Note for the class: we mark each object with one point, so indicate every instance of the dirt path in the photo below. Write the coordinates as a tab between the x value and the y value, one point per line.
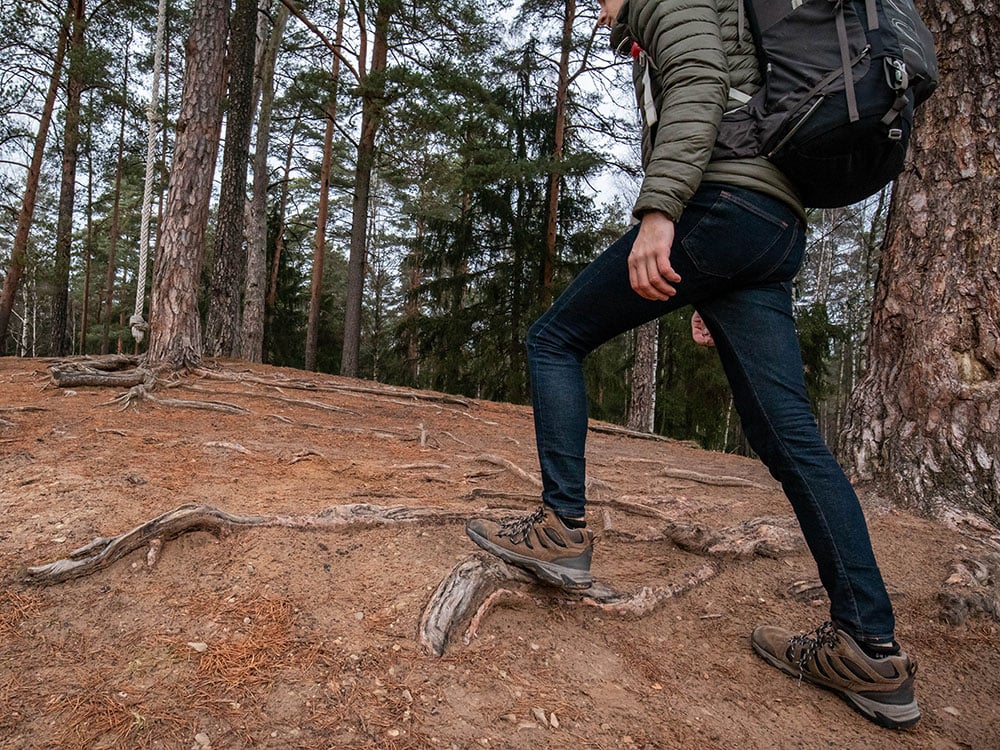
306	638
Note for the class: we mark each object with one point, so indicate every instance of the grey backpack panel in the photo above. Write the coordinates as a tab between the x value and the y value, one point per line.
841	80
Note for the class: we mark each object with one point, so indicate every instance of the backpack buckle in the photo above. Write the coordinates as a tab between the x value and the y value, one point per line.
896	75
895	134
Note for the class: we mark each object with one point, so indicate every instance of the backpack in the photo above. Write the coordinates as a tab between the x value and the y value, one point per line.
841	79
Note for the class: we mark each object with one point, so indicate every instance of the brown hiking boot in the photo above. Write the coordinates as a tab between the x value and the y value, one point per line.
540	543
879	689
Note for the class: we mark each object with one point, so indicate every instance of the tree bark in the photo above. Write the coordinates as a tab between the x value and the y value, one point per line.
109	281
88	241
271	300
319	241
19	250
555	176
175	331
67	188
925	424
642	400
229	263
252	331
372	86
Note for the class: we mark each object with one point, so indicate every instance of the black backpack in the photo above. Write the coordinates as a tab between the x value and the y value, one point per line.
840	80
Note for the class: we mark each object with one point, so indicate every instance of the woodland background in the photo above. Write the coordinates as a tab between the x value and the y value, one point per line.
402	187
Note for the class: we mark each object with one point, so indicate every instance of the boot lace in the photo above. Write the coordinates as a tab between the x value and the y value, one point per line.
812	642
517	529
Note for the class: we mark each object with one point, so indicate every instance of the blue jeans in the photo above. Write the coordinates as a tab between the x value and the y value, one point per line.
736	251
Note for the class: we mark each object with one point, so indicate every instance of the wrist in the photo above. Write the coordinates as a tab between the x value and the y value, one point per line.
655	216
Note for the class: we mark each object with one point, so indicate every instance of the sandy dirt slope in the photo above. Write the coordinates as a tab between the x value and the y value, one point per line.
281	637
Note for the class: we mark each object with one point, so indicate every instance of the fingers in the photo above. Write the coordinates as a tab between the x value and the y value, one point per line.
652	276
699	331
650	272
649	282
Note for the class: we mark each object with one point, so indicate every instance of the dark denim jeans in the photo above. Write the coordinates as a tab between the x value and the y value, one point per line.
736	251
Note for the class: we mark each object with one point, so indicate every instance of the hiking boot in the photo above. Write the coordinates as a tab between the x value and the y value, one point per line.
879	689
540	543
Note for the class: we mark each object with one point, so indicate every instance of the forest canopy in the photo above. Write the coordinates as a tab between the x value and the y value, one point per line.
501	157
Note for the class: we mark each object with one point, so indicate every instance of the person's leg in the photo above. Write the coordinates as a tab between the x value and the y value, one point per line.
727	237
553	542
597	306
754	331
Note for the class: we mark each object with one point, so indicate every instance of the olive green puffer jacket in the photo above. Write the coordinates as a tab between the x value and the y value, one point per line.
692	53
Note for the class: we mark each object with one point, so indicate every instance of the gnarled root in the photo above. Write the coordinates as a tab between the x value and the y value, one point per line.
103	551
972	589
476	583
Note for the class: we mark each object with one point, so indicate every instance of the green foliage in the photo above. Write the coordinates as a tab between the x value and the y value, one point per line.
693	397
816	337
456	239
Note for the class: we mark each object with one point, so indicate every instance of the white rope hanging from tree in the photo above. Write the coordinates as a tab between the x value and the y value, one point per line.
139	325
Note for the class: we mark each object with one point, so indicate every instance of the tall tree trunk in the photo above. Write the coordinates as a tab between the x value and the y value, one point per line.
319	241
67	189
642	400
88	242
252	331
109	281
372	90
271	300
175	330
555	176
925	424
413	268
19	250
229	264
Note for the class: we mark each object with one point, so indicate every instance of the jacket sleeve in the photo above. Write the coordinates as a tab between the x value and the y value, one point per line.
683	41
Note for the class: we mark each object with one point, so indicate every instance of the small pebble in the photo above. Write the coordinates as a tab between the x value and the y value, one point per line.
199	646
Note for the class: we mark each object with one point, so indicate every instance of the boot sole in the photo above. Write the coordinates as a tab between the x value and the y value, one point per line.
551	573
887	715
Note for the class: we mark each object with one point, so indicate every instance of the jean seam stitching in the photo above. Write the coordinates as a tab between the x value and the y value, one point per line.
841	570
780	226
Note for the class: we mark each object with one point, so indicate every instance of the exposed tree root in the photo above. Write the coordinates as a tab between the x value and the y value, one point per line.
715	481
309	385
129	372
972	589
610	429
103	551
275	397
511	467
767	537
144	392
529	500
99	373
464	596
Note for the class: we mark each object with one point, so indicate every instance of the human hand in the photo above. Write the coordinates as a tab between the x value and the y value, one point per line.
609	10
649	270
699	331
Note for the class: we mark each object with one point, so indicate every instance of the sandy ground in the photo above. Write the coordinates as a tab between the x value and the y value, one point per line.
299	637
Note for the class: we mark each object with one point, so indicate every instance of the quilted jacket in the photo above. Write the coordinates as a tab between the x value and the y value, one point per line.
689	54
